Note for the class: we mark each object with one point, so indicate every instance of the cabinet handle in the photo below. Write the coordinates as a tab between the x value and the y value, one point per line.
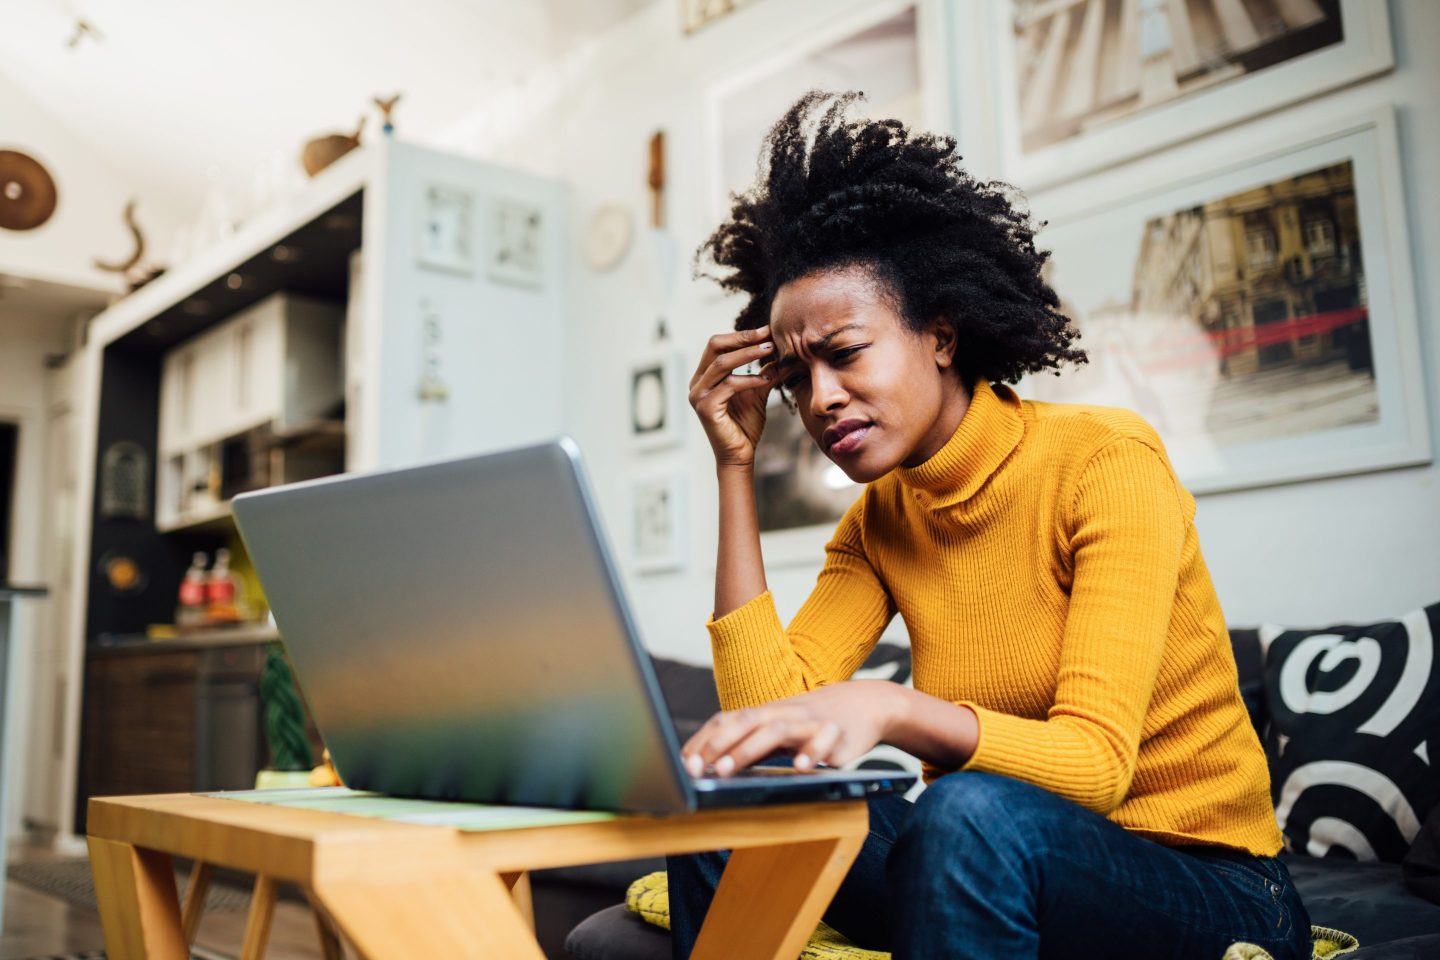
187	378
242	388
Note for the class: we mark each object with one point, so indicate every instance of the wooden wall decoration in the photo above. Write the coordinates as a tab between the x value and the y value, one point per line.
27	191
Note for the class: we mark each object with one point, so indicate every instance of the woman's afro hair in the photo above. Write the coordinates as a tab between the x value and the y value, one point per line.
834	192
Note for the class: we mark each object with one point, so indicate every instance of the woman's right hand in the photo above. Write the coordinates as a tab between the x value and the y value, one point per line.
731	406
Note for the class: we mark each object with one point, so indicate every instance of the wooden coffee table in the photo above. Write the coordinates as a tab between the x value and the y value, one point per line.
405	890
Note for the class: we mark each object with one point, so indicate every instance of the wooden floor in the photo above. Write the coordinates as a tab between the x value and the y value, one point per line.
39	925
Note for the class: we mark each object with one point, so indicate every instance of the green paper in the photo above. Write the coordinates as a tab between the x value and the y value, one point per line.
469	817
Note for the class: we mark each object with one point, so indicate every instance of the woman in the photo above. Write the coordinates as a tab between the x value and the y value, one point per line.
1095	785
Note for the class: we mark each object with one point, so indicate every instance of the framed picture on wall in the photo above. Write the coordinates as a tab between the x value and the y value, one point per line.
1084	84
800	494
1260	315
657	401
656	525
695	14
888	49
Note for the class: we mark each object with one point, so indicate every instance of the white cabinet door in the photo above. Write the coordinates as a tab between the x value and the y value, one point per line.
213	385
255	352
184	415
173	379
278	361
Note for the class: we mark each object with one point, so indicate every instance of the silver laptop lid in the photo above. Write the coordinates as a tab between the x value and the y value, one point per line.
460	632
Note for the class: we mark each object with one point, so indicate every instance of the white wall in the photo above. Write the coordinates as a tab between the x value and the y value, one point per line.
1351	548
87	222
24	343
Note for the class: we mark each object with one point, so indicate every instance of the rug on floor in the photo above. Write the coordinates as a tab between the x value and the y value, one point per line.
70	880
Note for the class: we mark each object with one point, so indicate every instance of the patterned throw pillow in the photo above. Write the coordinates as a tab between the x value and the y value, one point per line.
1353	735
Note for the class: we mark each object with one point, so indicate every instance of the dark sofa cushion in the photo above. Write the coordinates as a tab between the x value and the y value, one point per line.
1367	900
1421	865
1411	948
689	690
617	934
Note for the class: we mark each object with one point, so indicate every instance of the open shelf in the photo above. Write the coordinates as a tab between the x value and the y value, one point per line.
216	519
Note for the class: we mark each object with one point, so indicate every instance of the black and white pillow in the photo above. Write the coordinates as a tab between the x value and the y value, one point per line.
1354	734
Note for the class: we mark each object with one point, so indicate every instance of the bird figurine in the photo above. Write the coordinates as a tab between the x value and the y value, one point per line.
386	105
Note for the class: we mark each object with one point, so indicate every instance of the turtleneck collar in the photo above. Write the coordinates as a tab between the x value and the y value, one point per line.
988	433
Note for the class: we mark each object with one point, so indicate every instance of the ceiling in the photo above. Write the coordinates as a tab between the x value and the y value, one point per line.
180	95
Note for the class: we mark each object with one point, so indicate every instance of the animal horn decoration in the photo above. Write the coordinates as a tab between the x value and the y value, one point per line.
135	273
126	266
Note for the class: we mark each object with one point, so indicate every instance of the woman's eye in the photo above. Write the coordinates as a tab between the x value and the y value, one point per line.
794	380
847	354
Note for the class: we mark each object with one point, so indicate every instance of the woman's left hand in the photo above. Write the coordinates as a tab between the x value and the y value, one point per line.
833	725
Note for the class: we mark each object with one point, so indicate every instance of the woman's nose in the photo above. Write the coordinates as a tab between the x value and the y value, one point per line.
827	393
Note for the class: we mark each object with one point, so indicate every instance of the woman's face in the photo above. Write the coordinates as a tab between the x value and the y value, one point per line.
872	393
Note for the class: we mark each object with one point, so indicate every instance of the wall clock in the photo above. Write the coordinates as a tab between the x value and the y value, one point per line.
607	236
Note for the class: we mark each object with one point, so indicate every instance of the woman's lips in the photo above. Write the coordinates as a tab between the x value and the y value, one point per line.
850	441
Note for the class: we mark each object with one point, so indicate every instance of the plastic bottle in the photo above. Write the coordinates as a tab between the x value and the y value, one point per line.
191	610
220	591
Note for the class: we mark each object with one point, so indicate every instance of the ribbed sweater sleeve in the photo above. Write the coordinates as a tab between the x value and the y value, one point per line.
1124	533
757	660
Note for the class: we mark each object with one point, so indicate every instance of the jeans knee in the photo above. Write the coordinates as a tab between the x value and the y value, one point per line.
963	807
695	874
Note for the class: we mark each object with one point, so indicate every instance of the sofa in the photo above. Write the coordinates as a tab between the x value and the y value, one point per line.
1368	900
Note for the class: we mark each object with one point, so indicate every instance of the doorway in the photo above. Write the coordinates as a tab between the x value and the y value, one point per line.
9	440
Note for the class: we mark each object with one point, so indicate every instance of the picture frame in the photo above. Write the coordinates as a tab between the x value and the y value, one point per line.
656	401
695	14
1265	345
800	495
446	238
1086	107
863	47
657	513
515	243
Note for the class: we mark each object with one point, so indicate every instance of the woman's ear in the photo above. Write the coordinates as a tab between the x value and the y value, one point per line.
944	336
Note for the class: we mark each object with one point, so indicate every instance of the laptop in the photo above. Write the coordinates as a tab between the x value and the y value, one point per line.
460	632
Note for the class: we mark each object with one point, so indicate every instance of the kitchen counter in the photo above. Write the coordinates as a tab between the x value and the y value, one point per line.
201	638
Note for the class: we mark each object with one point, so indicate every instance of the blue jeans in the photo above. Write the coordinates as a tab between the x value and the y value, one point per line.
987	866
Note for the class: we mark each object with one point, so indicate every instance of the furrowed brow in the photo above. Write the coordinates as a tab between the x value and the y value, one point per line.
816	345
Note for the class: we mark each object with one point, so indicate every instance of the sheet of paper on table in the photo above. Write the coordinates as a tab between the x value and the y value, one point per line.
461	816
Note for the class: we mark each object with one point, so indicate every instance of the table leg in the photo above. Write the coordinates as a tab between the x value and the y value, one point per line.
771	898
195	893
139	908
519	884
329	940
257	922
444	915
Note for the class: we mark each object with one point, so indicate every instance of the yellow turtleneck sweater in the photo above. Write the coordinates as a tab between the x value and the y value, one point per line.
1046	564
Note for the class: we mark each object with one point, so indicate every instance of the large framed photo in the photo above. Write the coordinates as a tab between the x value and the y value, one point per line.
800	494
1260	315
1088	83
878	47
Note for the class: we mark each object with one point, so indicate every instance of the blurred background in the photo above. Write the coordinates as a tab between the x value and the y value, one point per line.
247	244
